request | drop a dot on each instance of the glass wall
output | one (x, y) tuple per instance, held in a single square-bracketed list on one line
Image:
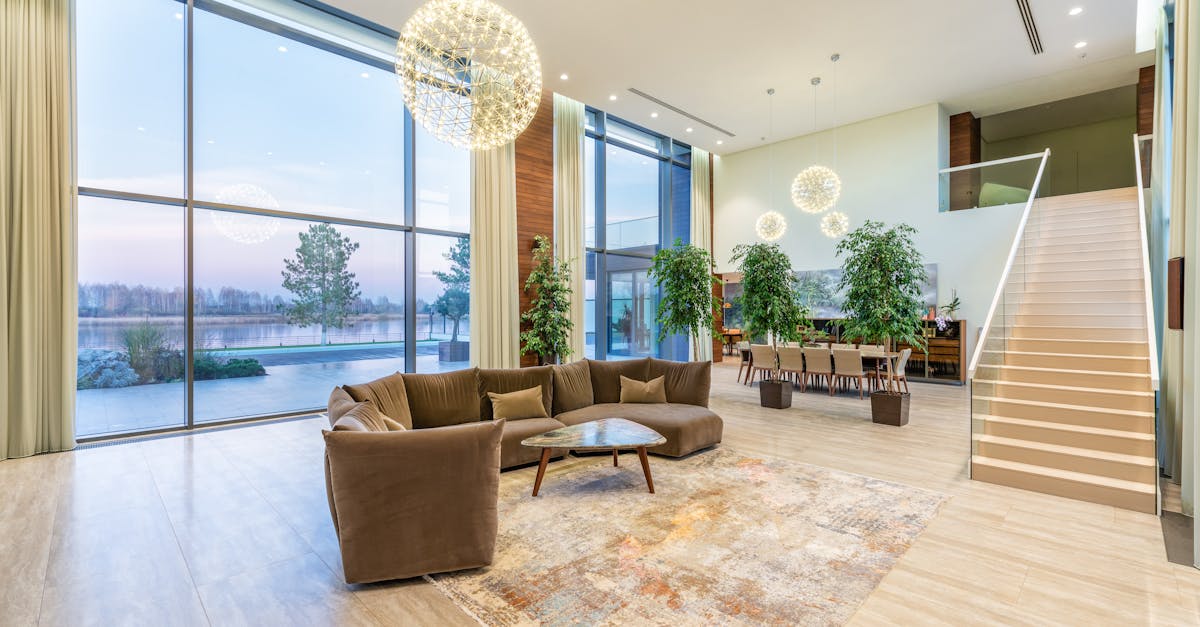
[(637, 184), (259, 220)]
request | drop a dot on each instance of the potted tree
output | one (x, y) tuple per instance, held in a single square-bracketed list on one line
[(882, 274), (771, 307), (548, 320), (684, 273)]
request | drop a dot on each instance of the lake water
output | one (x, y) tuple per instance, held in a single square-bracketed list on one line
[(229, 332)]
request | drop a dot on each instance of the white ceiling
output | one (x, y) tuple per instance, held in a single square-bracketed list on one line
[(716, 58)]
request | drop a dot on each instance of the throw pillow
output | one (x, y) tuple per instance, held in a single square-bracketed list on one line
[(363, 416), (652, 391), (392, 423), (521, 404)]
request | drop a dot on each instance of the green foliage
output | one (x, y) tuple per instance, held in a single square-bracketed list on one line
[(883, 273), (684, 273), (951, 308), (151, 354), (318, 277), (455, 299), (815, 289), (208, 366), (549, 315), (769, 300)]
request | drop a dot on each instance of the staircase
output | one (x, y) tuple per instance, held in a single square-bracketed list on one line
[(1062, 397)]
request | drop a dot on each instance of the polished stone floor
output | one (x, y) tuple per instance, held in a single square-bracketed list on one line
[(231, 527)]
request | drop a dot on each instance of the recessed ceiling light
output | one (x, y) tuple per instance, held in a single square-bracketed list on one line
[(563, 76), (179, 16), (1075, 11), (282, 48), (612, 97), (364, 75), (720, 141), (688, 129), (654, 114), (1080, 44), (141, 128)]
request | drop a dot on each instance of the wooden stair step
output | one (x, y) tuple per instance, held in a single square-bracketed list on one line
[(1082, 436), (1109, 380), (1071, 361), (1126, 400), (1072, 458), (1082, 333), (1067, 413), (1133, 495)]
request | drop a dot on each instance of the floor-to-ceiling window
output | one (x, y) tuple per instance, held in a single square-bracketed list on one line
[(259, 218), (637, 199)]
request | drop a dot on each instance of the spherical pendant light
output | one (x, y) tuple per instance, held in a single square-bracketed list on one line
[(835, 224), (470, 72), (816, 189), (242, 227), (770, 226)]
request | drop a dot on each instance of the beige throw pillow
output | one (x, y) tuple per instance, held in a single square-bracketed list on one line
[(392, 423), (516, 405), (652, 391)]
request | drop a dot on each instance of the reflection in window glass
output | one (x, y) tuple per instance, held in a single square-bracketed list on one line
[(630, 135), (280, 124), (130, 89), (285, 310), (631, 200), (131, 317), (589, 307), (443, 184), (443, 286), (631, 308)]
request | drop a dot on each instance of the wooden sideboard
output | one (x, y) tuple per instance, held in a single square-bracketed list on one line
[(945, 360)]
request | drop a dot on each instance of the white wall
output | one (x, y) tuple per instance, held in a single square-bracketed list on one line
[(889, 170)]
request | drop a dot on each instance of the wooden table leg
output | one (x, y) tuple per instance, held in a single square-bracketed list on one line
[(614, 457), (537, 483), (641, 451)]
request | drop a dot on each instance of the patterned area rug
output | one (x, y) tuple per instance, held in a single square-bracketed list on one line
[(727, 539)]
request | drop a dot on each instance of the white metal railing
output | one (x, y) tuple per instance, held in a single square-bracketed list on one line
[(1151, 333), (1012, 253)]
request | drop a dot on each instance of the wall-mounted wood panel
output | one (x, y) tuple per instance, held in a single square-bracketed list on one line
[(535, 194), (966, 148), (1175, 289), (1145, 100)]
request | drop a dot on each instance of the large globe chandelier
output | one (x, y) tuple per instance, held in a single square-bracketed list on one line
[(470, 72), (241, 227), (815, 189), (770, 226), (835, 224)]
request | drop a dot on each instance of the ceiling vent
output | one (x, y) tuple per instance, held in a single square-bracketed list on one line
[(1031, 30), (637, 92)]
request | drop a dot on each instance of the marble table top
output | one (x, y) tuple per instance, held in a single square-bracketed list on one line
[(606, 433)]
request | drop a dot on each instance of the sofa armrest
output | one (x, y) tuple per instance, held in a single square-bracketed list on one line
[(409, 503)]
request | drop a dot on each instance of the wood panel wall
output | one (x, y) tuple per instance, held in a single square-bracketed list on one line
[(535, 194), (1145, 100), (966, 148)]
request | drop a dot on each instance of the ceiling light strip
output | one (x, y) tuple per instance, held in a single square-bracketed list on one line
[(637, 92)]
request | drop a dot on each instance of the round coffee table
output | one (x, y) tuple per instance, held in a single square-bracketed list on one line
[(603, 434)]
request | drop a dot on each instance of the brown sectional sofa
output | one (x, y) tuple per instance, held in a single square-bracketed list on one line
[(407, 503)]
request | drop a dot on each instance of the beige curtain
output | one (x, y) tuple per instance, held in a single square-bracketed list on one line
[(568, 207), (37, 229), (495, 295), (702, 222)]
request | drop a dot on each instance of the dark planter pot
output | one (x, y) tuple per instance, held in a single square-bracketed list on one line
[(454, 351), (775, 394), (889, 408)]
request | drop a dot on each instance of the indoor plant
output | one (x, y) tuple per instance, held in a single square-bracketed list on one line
[(770, 306), (688, 305), (549, 316), (882, 274)]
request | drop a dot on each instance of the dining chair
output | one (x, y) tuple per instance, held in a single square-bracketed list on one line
[(871, 348), (898, 374), (745, 361), (791, 364), (817, 364), (843, 347), (762, 359), (848, 366)]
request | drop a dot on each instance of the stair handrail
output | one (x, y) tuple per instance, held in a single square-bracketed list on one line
[(1012, 255), (1151, 332)]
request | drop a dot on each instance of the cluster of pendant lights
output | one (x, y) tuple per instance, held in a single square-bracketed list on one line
[(815, 190)]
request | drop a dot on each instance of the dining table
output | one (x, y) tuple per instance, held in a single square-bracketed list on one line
[(731, 339)]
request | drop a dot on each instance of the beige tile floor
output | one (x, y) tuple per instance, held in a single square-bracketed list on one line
[(231, 528)]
